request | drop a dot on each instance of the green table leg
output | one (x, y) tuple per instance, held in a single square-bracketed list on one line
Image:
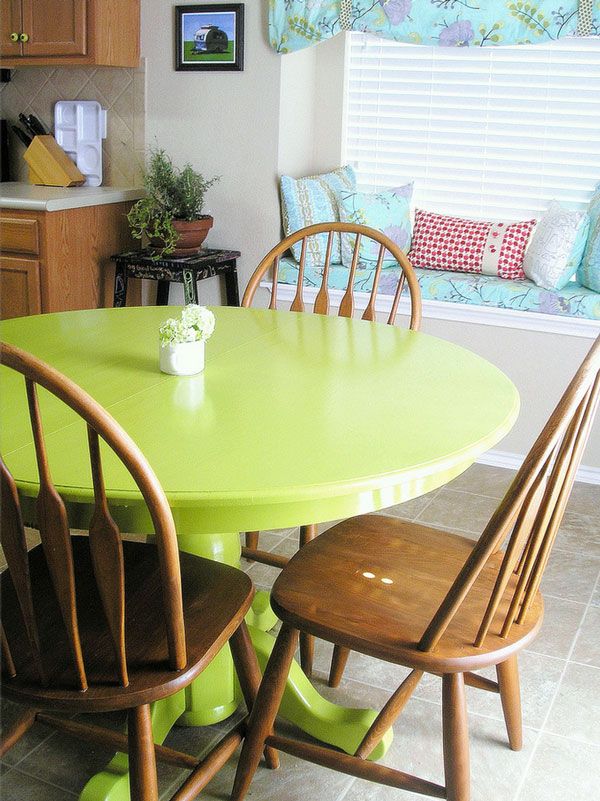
[(301, 704), (215, 695)]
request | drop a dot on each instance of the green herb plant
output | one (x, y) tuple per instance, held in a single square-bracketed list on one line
[(171, 194)]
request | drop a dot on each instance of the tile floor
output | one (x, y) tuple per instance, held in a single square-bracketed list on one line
[(560, 677)]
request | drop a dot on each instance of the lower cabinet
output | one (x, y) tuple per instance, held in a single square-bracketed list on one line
[(60, 260), (20, 292)]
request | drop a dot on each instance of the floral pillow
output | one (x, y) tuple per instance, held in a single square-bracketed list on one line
[(311, 200), (387, 211), (589, 271), (463, 245), (556, 247)]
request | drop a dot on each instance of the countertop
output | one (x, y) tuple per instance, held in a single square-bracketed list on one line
[(15, 195)]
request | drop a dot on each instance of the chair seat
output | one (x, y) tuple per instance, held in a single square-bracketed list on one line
[(215, 599), (373, 584)]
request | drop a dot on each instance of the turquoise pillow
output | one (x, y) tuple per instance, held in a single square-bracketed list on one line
[(588, 273), (387, 211), (311, 200)]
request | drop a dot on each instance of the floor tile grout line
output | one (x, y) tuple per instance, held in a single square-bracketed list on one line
[(33, 750), (44, 781), (543, 729)]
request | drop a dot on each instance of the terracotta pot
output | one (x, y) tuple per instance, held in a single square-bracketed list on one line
[(192, 234)]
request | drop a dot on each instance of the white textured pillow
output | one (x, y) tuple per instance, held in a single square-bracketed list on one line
[(556, 247)]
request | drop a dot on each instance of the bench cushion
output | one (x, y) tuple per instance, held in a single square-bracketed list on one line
[(472, 289)]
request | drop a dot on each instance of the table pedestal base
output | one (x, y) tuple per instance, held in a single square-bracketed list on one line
[(215, 695)]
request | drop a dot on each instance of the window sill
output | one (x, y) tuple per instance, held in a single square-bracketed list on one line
[(460, 312)]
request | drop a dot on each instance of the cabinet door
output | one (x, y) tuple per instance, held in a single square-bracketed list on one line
[(10, 24), (20, 293), (55, 27)]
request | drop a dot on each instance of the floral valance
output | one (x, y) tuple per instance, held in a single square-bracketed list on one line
[(295, 24)]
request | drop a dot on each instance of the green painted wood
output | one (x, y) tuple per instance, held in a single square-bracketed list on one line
[(297, 418)]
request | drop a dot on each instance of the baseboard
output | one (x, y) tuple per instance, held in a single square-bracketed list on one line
[(512, 461)]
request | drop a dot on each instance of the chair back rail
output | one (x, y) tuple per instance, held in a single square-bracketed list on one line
[(322, 300), (530, 513), (104, 537)]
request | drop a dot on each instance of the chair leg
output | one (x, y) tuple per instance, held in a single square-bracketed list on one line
[(19, 728), (265, 709), (307, 652), (338, 665), (307, 641), (456, 738), (249, 675), (252, 540), (510, 695), (143, 784)]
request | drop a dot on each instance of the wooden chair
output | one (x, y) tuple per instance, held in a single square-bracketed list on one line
[(91, 623), (431, 601), (322, 304)]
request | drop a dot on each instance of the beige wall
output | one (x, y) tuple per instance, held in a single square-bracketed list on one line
[(224, 123)]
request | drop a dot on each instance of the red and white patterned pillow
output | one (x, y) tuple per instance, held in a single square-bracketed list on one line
[(440, 242)]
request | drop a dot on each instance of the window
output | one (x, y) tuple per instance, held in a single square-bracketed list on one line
[(497, 131)]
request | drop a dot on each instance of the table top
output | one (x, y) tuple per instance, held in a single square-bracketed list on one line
[(297, 418), (148, 258)]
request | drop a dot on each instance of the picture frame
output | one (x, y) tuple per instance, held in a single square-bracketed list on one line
[(209, 37)]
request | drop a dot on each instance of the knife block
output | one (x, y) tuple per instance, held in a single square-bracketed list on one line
[(49, 165)]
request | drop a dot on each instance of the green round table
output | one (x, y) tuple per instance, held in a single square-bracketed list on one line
[(297, 419)]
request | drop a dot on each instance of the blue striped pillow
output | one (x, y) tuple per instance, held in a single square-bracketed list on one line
[(311, 200)]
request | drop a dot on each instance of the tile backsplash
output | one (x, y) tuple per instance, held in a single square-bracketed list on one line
[(35, 90)]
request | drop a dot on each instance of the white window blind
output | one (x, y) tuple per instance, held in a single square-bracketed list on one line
[(497, 131)]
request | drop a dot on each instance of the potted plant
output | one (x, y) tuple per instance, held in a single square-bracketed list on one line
[(171, 213), (181, 341)]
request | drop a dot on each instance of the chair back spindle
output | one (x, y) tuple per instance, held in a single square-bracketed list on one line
[(322, 304), (14, 545), (322, 299), (529, 516), (105, 546)]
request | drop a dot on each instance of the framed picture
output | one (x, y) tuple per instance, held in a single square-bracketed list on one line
[(209, 37)]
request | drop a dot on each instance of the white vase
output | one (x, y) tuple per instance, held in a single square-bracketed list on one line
[(184, 358)]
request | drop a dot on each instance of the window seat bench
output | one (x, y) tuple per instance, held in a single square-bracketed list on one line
[(501, 302)]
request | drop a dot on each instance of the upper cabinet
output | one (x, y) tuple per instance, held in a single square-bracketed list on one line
[(63, 32)]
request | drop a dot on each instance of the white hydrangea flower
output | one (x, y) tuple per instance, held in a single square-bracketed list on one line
[(199, 318), (196, 323)]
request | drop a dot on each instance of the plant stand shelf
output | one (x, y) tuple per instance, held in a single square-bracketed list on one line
[(186, 270)]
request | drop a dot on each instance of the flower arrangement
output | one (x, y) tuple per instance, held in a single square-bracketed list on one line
[(195, 324)]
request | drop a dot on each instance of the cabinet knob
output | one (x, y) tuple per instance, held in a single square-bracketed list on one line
[(24, 37), (14, 37)]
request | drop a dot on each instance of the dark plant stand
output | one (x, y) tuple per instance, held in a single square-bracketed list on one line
[(186, 270)]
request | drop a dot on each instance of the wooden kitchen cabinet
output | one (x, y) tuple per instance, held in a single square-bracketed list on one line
[(60, 260), (20, 293), (63, 32)]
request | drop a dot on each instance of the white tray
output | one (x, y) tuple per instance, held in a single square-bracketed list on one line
[(79, 128)]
